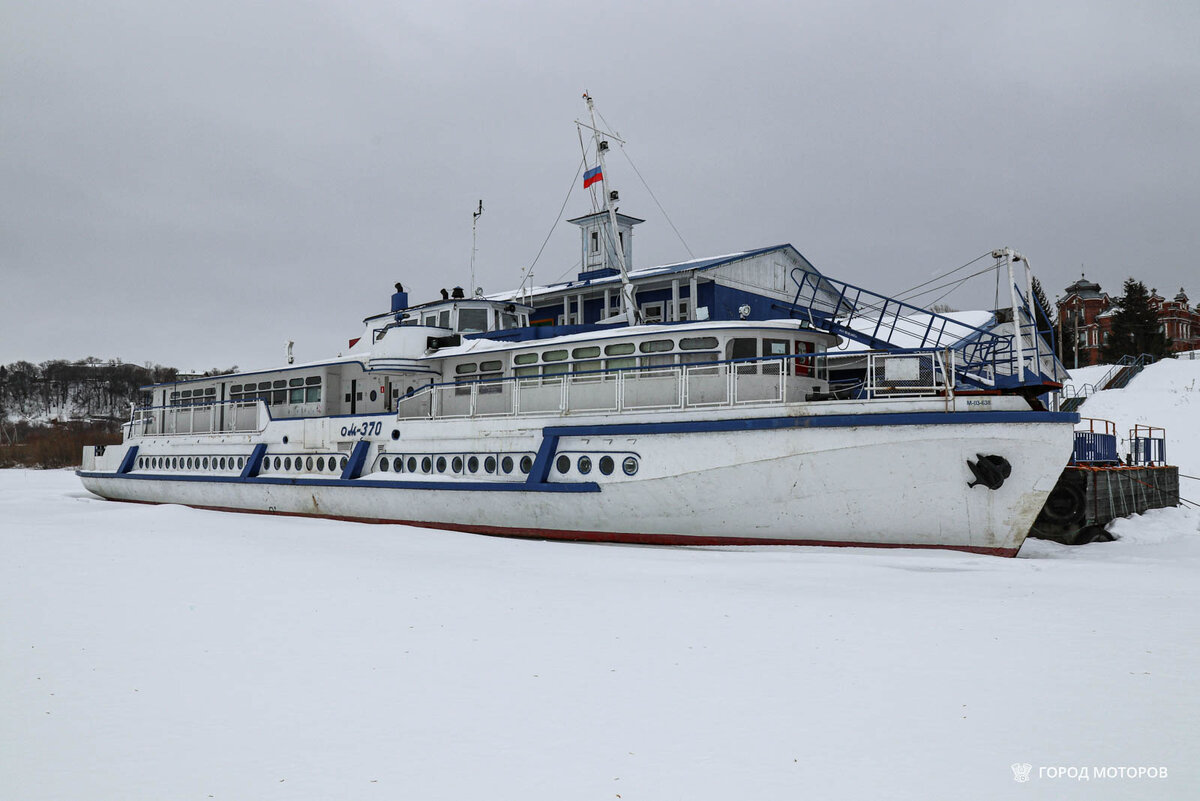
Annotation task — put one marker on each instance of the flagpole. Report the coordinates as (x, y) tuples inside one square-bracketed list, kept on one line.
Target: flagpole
[(632, 315)]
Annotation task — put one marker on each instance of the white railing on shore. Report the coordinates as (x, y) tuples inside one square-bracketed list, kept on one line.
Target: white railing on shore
[(226, 417), (675, 387)]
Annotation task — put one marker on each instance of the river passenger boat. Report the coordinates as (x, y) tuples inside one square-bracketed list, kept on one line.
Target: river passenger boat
[(459, 414)]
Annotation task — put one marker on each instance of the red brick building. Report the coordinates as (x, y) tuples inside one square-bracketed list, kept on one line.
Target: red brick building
[(1085, 318)]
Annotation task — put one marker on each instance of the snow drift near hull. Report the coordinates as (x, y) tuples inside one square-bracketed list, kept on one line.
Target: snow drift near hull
[(883, 486)]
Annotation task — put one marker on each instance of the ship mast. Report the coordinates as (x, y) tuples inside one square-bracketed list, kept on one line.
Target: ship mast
[(629, 307)]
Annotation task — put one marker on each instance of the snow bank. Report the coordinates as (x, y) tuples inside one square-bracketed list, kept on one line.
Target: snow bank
[(1165, 394), (162, 652)]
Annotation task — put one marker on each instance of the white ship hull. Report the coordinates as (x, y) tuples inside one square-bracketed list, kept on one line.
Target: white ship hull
[(895, 478)]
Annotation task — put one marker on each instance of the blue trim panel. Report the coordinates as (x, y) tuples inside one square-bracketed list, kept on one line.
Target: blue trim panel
[(475, 486), (545, 455), (824, 421), (358, 457), (129, 461), (254, 463)]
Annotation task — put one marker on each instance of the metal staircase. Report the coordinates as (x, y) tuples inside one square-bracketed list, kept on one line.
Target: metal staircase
[(984, 358), (1118, 377)]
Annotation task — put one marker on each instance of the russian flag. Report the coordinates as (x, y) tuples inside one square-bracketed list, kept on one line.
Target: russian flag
[(592, 176)]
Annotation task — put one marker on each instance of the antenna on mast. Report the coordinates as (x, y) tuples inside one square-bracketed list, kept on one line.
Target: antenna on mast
[(475, 215), (596, 175)]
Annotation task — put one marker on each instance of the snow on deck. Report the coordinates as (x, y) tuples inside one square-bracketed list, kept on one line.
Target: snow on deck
[(152, 652)]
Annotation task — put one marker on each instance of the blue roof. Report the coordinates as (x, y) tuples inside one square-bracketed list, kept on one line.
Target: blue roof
[(663, 269)]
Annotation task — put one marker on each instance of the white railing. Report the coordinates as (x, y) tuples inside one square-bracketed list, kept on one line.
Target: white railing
[(677, 387), (227, 417)]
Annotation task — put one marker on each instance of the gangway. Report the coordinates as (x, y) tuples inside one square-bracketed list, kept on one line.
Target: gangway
[(987, 359)]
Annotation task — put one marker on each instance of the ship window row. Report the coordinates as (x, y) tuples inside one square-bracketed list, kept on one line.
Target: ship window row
[(303, 389), (657, 353), (219, 463), (194, 397), (606, 464), (456, 464), (305, 464)]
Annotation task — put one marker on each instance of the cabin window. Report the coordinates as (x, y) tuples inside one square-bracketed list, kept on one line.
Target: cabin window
[(235, 388), (619, 349), (744, 348), (430, 319), (776, 348), (312, 394), (465, 367), (657, 346), (472, 321), (296, 395), (456, 466), (492, 366), (506, 464), (520, 371), (296, 382), (489, 464), (554, 355), (652, 312), (525, 358), (595, 241), (606, 465), (509, 320), (313, 380), (526, 464), (590, 366), (584, 465), (473, 464), (444, 318), (555, 369), (279, 384), (616, 364), (563, 463), (698, 343), (585, 353)]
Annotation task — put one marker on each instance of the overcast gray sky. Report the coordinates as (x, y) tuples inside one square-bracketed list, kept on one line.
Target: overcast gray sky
[(196, 183)]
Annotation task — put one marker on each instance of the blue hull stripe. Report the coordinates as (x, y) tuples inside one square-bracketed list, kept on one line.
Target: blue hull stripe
[(816, 421), (470, 486)]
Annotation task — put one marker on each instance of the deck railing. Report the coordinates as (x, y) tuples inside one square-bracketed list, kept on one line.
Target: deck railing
[(737, 382), (222, 417)]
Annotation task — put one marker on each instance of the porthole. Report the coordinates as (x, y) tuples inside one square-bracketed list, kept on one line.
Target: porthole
[(489, 464), (278, 463), (205, 466), (189, 463), (526, 464), (426, 465), (630, 465), (308, 463), (221, 464), (412, 464), (241, 462), (563, 463), (321, 464), (473, 464), (174, 463), (506, 464), (457, 464), (441, 464), (395, 433), (398, 464), (344, 461), (285, 439), (606, 465), (383, 464), (584, 465), (374, 395), (141, 462), (287, 463)]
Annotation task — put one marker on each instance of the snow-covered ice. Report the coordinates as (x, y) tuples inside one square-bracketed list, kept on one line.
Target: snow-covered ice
[(160, 652)]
